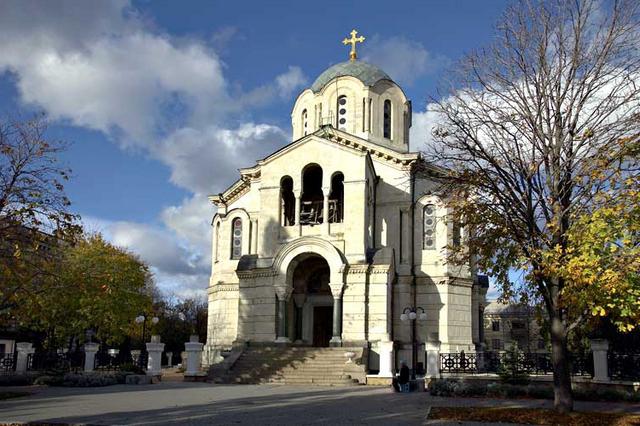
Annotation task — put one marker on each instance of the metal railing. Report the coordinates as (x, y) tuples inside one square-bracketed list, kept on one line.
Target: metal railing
[(8, 362), (624, 366), (493, 362), (67, 361)]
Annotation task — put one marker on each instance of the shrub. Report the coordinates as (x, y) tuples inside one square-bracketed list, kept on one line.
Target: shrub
[(89, 379), (470, 389), (454, 387), (506, 390), (511, 368), (131, 368), (15, 380), (443, 387), (56, 380), (540, 392)]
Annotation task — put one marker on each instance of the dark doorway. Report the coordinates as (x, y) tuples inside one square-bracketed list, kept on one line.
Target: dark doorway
[(322, 325)]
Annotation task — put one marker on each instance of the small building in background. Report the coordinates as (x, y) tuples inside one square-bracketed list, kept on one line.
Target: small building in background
[(508, 323)]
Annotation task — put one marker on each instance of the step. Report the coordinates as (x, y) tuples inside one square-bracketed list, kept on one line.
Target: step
[(297, 365)]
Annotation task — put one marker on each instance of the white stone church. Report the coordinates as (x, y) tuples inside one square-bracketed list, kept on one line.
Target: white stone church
[(330, 239)]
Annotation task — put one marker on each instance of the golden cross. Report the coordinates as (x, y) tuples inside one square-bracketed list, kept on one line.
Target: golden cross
[(352, 41)]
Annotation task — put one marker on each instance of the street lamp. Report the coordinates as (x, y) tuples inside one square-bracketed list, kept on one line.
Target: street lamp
[(142, 319), (410, 314)]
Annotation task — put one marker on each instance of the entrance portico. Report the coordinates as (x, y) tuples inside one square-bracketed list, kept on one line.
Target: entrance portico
[(309, 293)]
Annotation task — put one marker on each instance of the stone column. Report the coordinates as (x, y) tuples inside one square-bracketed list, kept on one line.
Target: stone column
[(90, 350), (281, 336), (193, 348), (299, 300), (336, 340), (154, 363), (600, 347), (386, 359), (433, 359), (24, 349), (254, 237), (325, 211), (296, 195), (169, 359)]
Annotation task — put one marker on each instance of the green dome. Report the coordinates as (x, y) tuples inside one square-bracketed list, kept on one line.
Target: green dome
[(368, 74)]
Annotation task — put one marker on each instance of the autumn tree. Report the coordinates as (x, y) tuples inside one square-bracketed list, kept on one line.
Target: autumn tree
[(181, 318), (34, 210), (537, 148), (100, 287)]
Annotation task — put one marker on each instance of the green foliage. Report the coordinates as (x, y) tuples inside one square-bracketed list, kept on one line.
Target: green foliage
[(34, 210), (47, 380), (472, 388), (511, 369), (131, 368), (179, 319), (104, 286), (89, 379), (16, 380)]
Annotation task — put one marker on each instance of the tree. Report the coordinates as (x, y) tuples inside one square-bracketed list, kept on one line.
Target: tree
[(100, 287), (179, 319), (537, 136), (33, 207)]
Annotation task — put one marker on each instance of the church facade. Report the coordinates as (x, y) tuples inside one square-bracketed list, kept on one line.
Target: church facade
[(331, 239)]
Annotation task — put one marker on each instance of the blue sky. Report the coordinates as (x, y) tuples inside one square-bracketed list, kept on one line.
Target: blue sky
[(163, 100)]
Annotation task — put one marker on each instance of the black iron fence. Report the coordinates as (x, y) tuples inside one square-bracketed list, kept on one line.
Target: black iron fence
[(8, 362), (118, 361), (67, 361), (624, 366), (493, 362)]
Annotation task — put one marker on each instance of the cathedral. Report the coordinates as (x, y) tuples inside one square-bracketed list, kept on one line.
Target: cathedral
[(335, 241)]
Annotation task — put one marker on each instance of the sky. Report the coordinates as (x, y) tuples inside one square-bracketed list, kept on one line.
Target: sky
[(162, 101)]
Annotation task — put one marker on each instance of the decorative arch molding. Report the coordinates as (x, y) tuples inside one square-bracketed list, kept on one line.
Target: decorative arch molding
[(431, 199), (287, 255), (237, 212)]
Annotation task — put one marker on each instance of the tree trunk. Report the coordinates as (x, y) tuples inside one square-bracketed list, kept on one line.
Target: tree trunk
[(563, 398)]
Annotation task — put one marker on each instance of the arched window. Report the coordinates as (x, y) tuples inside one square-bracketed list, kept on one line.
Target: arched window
[(342, 113), (304, 123), (312, 198), (386, 120), (236, 238), (336, 198), (287, 202), (429, 227), (217, 236)]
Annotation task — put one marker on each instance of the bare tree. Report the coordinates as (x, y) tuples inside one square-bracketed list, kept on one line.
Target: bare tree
[(531, 130), (34, 213)]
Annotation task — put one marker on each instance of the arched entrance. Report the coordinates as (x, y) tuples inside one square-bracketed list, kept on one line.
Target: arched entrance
[(311, 254), (312, 300)]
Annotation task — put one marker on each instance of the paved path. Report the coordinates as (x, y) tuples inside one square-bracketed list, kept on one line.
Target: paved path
[(200, 403)]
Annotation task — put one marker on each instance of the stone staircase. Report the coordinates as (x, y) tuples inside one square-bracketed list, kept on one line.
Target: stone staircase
[(296, 365)]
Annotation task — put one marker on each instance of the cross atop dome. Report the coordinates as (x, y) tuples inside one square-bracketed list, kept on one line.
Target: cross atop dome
[(352, 41)]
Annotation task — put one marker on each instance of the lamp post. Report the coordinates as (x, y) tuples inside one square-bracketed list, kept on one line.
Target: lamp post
[(410, 313), (142, 319)]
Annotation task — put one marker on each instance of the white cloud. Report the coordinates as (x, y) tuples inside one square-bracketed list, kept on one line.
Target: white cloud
[(422, 125), (101, 66), (289, 81), (206, 160), (126, 80), (403, 59)]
